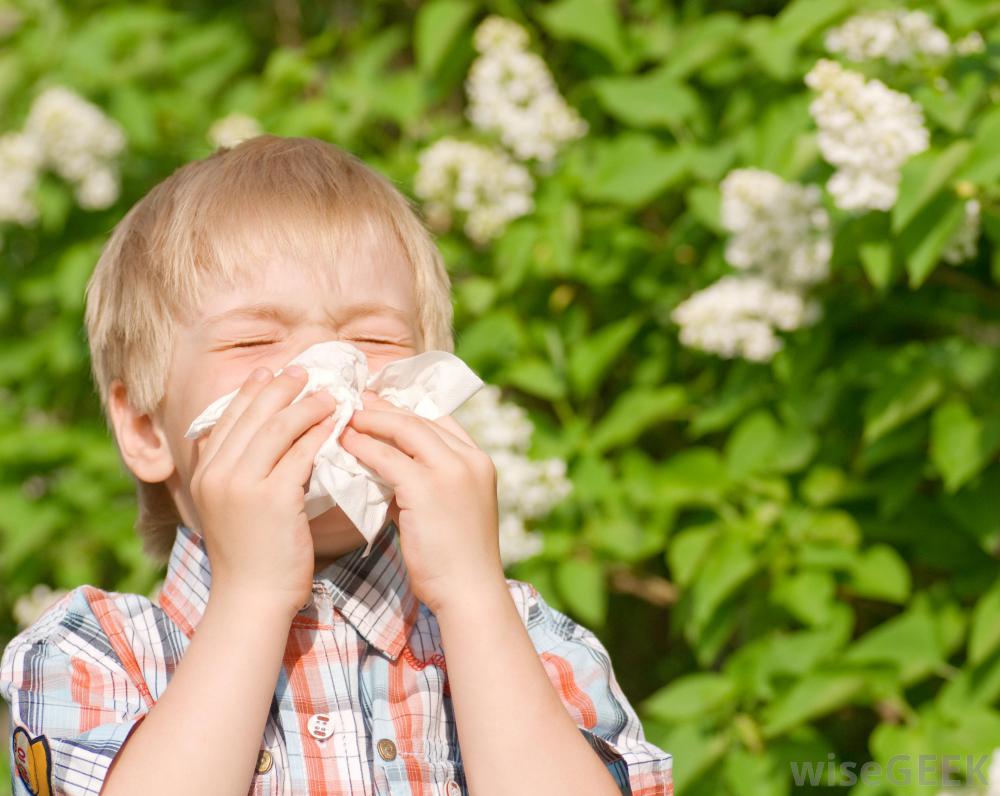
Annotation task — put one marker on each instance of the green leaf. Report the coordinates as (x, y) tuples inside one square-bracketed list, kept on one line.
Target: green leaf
[(815, 695), (632, 169), (592, 22), (703, 41), (751, 446), (876, 259), (690, 696), (437, 25), (590, 358), (687, 551), (923, 176), (534, 376), (976, 509), (582, 586), (634, 412), (705, 202), (881, 574), (929, 234), (729, 563), (899, 399), (808, 596), (984, 636), (956, 443), (649, 100), (694, 476)]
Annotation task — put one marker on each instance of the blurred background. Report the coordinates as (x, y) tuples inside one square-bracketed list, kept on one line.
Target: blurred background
[(730, 271)]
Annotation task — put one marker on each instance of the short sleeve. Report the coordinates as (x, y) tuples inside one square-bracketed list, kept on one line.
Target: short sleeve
[(73, 702), (580, 670)]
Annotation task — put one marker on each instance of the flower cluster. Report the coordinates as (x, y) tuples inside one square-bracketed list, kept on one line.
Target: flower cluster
[(777, 227), (526, 488), (780, 240), (512, 92), (80, 144), (482, 181), (233, 128), (867, 131), (895, 35), (513, 96), (990, 788), (71, 136), (737, 316), (29, 607), (965, 243)]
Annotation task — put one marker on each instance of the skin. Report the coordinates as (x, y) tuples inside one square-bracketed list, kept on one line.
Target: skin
[(445, 507)]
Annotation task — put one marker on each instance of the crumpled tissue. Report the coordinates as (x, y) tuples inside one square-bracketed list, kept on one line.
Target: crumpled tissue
[(431, 384)]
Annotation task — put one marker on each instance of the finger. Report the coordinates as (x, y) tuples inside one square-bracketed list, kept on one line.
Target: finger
[(281, 391), (451, 432), (297, 463), (409, 433), (275, 437), (209, 443), (391, 464)]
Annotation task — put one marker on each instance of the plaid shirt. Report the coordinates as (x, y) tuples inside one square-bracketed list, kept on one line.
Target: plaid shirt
[(361, 705)]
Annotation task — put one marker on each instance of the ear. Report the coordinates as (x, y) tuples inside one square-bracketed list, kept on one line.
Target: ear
[(142, 443)]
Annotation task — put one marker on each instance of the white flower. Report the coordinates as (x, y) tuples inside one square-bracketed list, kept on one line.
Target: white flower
[(512, 93), (868, 131), (526, 488), (970, 44), (738, 315), (497, 33), (964, 243), (897, 35), (480, 181), (21, 157), (29, 607), (779, 228), (80, 143), (232, 129)]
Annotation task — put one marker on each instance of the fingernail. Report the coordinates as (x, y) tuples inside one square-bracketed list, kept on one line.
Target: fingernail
[(260, 374)]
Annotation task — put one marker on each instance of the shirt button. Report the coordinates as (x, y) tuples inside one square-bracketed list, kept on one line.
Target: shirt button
[(386, 749), (264, 761), (452, 788), (320, 726)]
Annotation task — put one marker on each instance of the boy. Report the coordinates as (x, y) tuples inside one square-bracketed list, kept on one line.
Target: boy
[(294, 665)]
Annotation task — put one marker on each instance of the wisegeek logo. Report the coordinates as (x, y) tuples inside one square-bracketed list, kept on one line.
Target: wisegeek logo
[(922, 770)]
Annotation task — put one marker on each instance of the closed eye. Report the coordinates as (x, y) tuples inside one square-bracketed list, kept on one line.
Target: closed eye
[(252, 343)]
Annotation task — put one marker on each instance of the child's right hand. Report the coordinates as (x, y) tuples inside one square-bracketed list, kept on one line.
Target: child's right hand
[(249, 488)]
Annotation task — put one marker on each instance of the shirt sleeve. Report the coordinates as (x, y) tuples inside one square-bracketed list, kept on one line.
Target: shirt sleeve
[(73, 702), (581, 672)]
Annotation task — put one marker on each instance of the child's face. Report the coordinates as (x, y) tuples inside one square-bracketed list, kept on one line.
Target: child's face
[(216, 354)]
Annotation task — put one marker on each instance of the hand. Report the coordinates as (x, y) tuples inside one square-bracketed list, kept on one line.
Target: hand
[(249, 488), (445, 504)]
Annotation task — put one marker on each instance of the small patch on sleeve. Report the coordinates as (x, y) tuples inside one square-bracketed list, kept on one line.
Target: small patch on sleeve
[(33, 761)]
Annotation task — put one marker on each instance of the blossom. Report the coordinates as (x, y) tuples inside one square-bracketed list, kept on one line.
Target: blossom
[(970, 44), (964, 243), (512, 93), (526, 488), (896, 35), (21, 157), (29, 607), (79, 142), (232, 129), (778, 227), (867, 131), (737, 316), (480, 181)]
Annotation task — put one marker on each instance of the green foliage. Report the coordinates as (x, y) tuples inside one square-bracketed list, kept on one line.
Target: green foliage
[(815, 539)]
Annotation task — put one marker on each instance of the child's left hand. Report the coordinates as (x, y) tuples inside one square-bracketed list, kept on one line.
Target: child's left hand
[(445, 504)]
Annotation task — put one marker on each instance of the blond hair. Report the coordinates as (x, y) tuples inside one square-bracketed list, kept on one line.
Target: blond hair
[(208, 222)]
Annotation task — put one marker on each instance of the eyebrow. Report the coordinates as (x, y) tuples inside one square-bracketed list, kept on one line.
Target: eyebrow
[(288, 315)]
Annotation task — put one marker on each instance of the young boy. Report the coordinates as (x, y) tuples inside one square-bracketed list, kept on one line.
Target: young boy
[(277, 659)]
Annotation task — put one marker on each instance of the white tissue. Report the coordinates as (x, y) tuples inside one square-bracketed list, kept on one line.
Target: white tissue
[(431, 385)]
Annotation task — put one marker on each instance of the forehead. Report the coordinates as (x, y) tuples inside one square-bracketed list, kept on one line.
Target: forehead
[(371, 273)]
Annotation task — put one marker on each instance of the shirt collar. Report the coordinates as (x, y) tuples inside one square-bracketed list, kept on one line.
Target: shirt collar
[(372, 592)]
